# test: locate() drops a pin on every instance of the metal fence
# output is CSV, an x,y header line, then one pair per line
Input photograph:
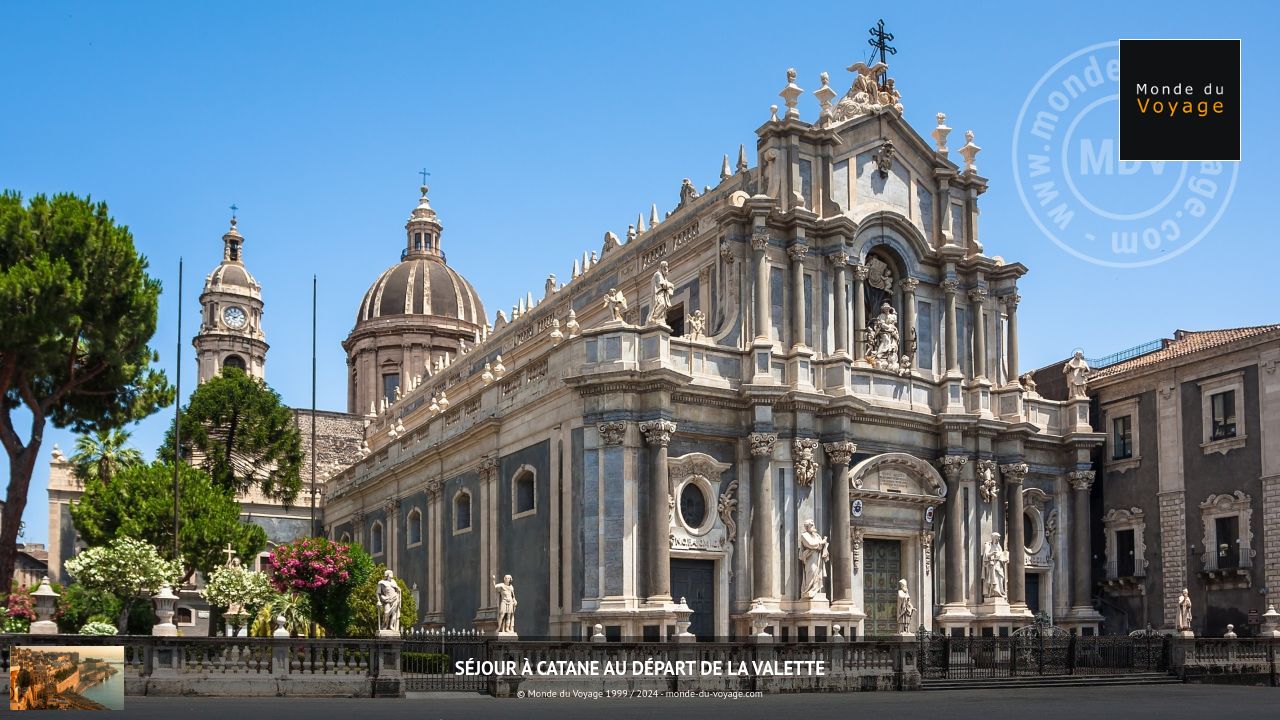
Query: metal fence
x,y
428,660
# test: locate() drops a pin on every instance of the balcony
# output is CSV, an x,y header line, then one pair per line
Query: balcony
x,y
1125,577
1228,568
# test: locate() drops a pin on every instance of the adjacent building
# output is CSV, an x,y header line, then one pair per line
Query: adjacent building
x,y
1190,475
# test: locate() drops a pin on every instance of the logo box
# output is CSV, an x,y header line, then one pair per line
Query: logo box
x,y
1180,100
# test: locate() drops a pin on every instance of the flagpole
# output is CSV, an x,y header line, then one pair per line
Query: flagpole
x,y
313,406
177,418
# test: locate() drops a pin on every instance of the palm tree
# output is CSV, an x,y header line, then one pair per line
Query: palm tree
x,y
102,454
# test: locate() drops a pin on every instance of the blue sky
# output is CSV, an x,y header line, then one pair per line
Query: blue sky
x,y
543,126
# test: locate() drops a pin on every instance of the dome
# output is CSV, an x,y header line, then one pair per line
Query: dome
x,y
422,286
232,274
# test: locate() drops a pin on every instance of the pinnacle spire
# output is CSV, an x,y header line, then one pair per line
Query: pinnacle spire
x,y
725,174
742,158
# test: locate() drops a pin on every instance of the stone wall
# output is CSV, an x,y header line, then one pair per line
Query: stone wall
x,y
338,438
1173,551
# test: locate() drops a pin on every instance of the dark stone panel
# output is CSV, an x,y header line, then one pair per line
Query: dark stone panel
x,y
282,530
461,551
412,561
576,528
524,543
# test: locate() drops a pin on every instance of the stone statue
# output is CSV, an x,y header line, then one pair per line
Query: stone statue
x,y
1028,382
989,487
697,322
1184,611
1077,372
865,96
388,604
906,609
815,555
995,559
883,349
663,289
617,304
506,604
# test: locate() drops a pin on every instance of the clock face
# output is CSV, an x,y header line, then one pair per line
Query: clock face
x,y
234,317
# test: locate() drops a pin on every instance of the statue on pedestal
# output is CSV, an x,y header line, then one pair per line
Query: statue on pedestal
x,y
663,290
906,609
506,604
995,560
616,302
1077,372
1184,611
388,605
814,554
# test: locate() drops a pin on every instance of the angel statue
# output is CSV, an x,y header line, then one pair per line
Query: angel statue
x,y
617,304
883,350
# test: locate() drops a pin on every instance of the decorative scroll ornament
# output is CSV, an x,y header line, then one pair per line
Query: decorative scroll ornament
x,y
855,544
762,443
806,468
926,545
988,486
612,433
727,506
884,158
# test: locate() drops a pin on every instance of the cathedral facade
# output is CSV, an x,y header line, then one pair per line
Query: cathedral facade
x,y
793,393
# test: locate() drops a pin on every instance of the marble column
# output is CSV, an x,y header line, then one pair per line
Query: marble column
x,y
840,453
909,338
797,252
951,288
952,468
860,274
840,261
976,297
763,543
759,243
1081,565
657,433
1011,310
1013,475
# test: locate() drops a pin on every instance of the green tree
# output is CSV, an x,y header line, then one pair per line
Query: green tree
x,y
99,455
242,435
127,568
77,310
138,504
78,603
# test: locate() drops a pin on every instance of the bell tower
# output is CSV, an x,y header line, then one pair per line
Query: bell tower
x,y
231,315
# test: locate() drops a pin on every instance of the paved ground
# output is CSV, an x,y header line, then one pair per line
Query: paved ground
x,y
1163,702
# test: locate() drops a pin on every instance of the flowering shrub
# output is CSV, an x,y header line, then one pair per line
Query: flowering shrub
x,y
98,628
128,569
16,624
20,604
325,572
240,588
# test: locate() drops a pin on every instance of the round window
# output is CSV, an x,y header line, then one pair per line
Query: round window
x,y
693,506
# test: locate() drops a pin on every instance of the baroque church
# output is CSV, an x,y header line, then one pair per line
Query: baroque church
x,y
762,411
767,408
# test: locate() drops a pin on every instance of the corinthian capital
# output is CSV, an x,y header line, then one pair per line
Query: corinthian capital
x,y
950,286
1081,479
909,284
762,443
839,259
1014,472
860,272
840,452
760,238
1011,302
612,433
977,295
797,251
952,465
657,432
488,468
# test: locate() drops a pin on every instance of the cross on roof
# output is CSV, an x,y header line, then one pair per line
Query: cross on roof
x,y
233,210
879,42
423,172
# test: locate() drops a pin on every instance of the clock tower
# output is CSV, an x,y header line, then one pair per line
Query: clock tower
x,y
231,315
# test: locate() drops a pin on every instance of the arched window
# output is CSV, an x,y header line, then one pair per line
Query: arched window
x,y
524,492
414,527
375,538
234,361
345,539
461,512
183,616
